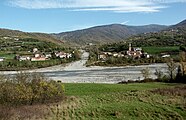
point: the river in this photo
(77, 72)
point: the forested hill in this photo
(174, 35)
(181, 27)
(21, 35)
(106, 33)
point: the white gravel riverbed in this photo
(76, 72)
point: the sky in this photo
(54, 16)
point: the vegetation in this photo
(181, 72)
(9, 65)
(19, 34)
(110, 101)
(131, 101)
(25, 94)
(170, 41)
(158, 50)
(118, 61)
(27, 44)
(24, 65)
(171, 69)
(106, 34)
(146, 73)
(141, 100)
(155, 44)
(12, 47)
(28, 89)
(128, 61)
(155, 52)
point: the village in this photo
(36, 55)
(132, 52)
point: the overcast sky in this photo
(53, 16)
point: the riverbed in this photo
(77, 72)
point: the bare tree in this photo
(146, 73)
(182, 62)
(159, 74)
(171, 68)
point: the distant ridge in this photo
(182, 23)
(180, 26)
(174, 35)
(98, 34)
(106, 33)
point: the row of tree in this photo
(176, 71)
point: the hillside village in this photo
(28, 49)
(38, 56)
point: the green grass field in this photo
(131, 101)
(7, 55)
(140, 101)
(158, 50)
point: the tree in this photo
(29, 88)
(182, 62)
(146, 73)
(76, 55)
(171, 68)
(181, 77)
(159, 74)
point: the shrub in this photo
(29, 88)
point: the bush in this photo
(139, 81)
(181, 78)
(29, 88)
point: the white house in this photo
(48, 56)
(35, 50)
(165, 56)
(24, 58)
(37, 55)
(115, 54)
(63, 55)
(102, 56)
(2, 59)
(69, 55)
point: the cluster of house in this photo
(11, 38)
(134, 53)
(42, 57)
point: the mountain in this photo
(179, 27)
(20, 34)
(106, 33)
(174, 35)
(181, 24)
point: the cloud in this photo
(125, 22)
(96, 5)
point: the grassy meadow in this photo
(130, 101)
(141, 101)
